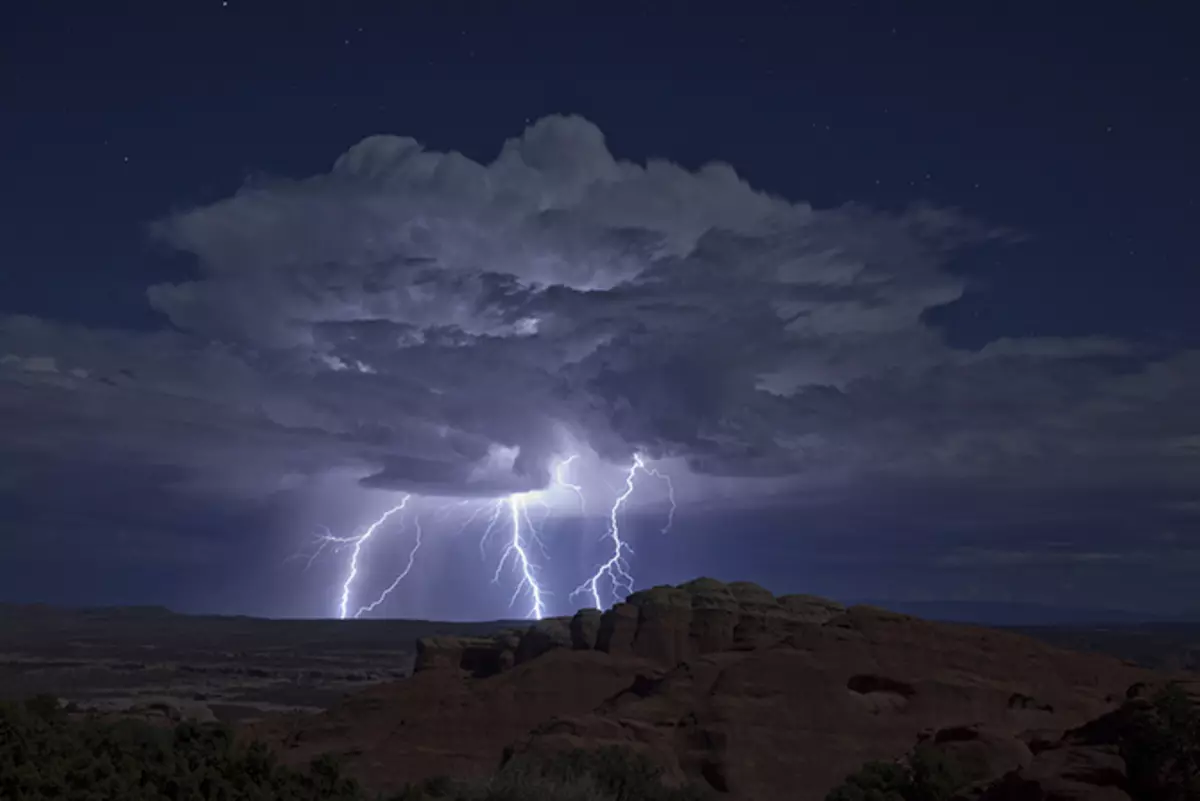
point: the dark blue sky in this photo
(1073, 125)
(1078, 128)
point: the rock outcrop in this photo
(1065, 773)
(665, 625)
(761, 698)
(585, 629)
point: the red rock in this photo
(784, 710)
(585, 629)
(618, 627)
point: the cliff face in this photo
(759, 697)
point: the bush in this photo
(47, 754)
(1161, 747)
(603, 774)
(928, 775)
(44, 754)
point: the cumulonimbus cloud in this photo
(411, 311)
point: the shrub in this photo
(44, 754)
(928, 775)
(1161, 747)
(603, 774)
(47, 754)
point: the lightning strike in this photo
(497, 508)
(358, 541)
(524, 534)
(412, 555)
(562, 482)
(518, 550)
(654, 471)
(617, 567)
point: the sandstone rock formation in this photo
(665, 625)
(761, 698)
(1065, 773)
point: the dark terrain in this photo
(204, 667)
(724, 686)
(1164, 646)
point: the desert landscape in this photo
(154, 662)
(724, 687)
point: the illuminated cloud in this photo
(410, 312)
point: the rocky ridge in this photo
(665, 625)
(761, 698)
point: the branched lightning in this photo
(518, 550)
(617, 567)
(325, 540)
(519, 544)
(496, 508)
(654, 471)
(412, 555)
(524, 534)
(358, 543)
(562, 482)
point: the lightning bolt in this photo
(523, 535)
(562, 482)
(518, 550)
(654, 471)
(412, 555)
(497, 509)
(358, 542)
(617, 567)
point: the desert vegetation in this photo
(48, 751)
(927, 775)
(1160, 741)
(1157, 737)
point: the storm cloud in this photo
(443, 326)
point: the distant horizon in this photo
(985, 613)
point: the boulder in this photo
(585, 629)
(715, 615)
(983, 753)
(542, 637)
(1069, 773)
(479, 656)
(618, 627)
(663, 625)
(761, 620)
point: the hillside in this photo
(757, 697)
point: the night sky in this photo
(902, 298)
